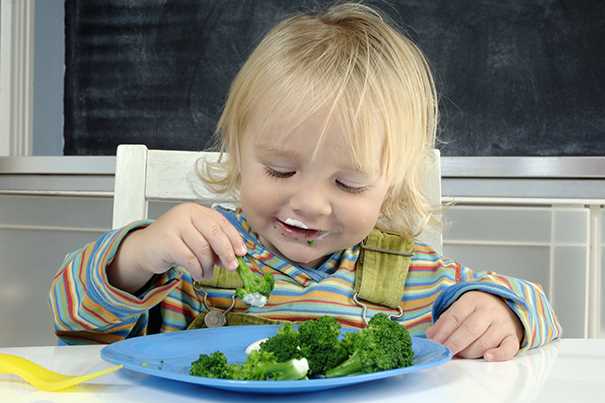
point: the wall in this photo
(516, 78)
(49, 62)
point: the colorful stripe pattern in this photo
(87, 308)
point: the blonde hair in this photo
(345, 59)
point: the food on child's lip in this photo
(315, 350)
(256, 289)
(296, 223)
(299, 229)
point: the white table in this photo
(570, 370)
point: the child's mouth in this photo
(297, 232)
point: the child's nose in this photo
(310, 200)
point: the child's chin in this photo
(300, 254)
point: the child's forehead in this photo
(274, 128)
(290, 138)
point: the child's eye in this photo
(278, 174)
(350, 189)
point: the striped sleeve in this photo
(87, 308)
(526, 299)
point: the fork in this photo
(42, 378)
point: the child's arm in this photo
(87, 308)
(104, 291)
(473, 323)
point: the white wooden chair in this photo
(142, 175)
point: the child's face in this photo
(283, 189)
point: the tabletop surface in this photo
(569, 370)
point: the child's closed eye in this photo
(275, 173)
(278, 174)
(349, 188)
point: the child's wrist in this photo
(125, 271)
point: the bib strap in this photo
(222, 278)
(382, 268)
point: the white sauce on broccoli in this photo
(255, 346)
(255, 299)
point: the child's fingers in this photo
(471, 328)
(508, 348)
(449, 321)
(218, 241)
(234, 236)
(183, 256)
(488, 340)
(200, 248)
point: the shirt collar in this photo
(302, 275)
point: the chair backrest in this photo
(142, 175)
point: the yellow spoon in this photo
(45, 379)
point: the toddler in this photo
(325, 131)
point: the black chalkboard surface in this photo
(517, 77)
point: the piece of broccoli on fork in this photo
(256, 289)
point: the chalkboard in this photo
(518, 77)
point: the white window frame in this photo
(16, 76)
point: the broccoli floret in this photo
(284, 345)
(383, 345)
(319, 343)
(349, 342)
(211, 366)
(262, 365)
(256, 288)
(259, 366)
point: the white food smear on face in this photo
(296, 223)
(322, 236)
(255, 299)
(300, 224)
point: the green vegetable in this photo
(316, 340)
(319, 343)
(349, 342)
(212, 366)
(316, 350)
(383, 345)
(258, 366)
(284, 345)
(262, 365)
(256, 289)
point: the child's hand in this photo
(478, 325)
(188, 235)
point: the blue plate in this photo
(169, 355)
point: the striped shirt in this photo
(87, 308)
